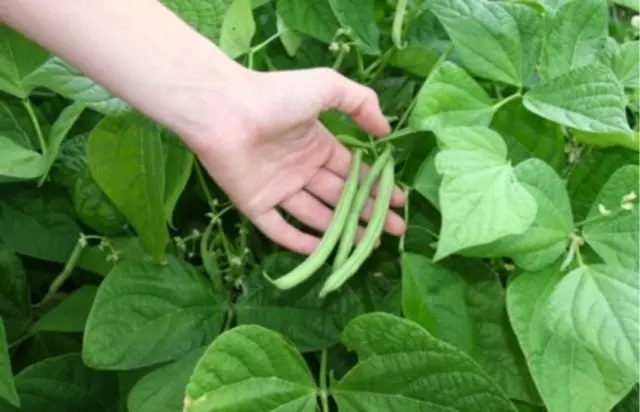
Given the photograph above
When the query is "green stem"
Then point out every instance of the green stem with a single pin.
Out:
(406, 113)
(203, 185)
(507, 99)
(407, 191)
(397, 134)
(66, 271)
(339, 59)
(386, 58)
(598, 218)
(324, 392)
(265, 43)
(36, 125)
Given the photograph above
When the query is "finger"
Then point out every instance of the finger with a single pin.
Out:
(273, 225)
(308, 210)
(340, 93)
(340, 163)
(327, 187)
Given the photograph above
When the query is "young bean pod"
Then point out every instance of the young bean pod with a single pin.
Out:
(331, 236)
(372, 233)
(351, 227)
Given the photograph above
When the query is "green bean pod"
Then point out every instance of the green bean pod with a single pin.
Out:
(372, 233)
(331, 236)
(351, 227)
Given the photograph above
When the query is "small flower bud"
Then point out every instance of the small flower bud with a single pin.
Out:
(334, 47)
(627, 206)
(603, 210)
(629, 197)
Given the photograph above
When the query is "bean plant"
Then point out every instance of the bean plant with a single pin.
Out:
(130, 282)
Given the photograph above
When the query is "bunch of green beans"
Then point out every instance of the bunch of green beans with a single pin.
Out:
(344, 225)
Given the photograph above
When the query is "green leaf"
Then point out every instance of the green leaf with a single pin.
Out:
(162, 390)
(480, 197)
(59, 131)
(615, 237)
(427, 181)
(547, 238)
(414, 59)
(238, 28)
(291, 40)
(495, 40)
(64, 384)
(311, 324)
(625, 64)
(631, 4)
(462, 302)
(528, 135)
(589, 98)
(38, 223)
(19, 163)
(19, 56)
(250, 368)
(450, 97)
(576, 35)
(69, 82)
(145, 313)
(15, 299)
(91, 204)
(205, 16)
(16, 124)
(311, 17)
(7, 386)
(597, 306)
(393, 351)
(71, 314)
(126, 159)
(358, 16)
(631, 403)
(592, 172)
(569, 377)
(179, 161)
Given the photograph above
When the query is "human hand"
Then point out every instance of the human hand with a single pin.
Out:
(266, 148)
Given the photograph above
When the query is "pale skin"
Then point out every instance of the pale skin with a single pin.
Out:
(257, 134)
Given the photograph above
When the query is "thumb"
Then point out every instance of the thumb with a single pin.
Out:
(337, 92)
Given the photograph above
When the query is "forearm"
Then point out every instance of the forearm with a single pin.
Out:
(138, 49)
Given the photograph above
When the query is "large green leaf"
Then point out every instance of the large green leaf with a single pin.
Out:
(15, 299)
(163, 389)
(427, 180)
(528, 135)
(598, 307)
(625, 64)
(569, 377)
(480, 197)
(16, 124)
(64, 384)
(71, 314)
(19, 56)
(7, 386)
(495, 40)
(69, 82)
(59, 130)
(575, 36)
(205, 16)
(462, 302)
(126, 159)
(589, 98)
(311, 17)
(250, 368)
(547, 238)
(178, 161)
(393, 352)
(450, 97)
(145, 313)
(615, 237)
(19, 163)
(592, 172)
(238, 29)
(358, 16)
(311, 324)
(92, 206)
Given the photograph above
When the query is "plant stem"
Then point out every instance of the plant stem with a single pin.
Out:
(407, 191)
(507, 99)
(339, 59)
(66, 271)
(265, 43)
(397, 134)
(203, 186)
(386, 58)
(324, 393)
(36, 125)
